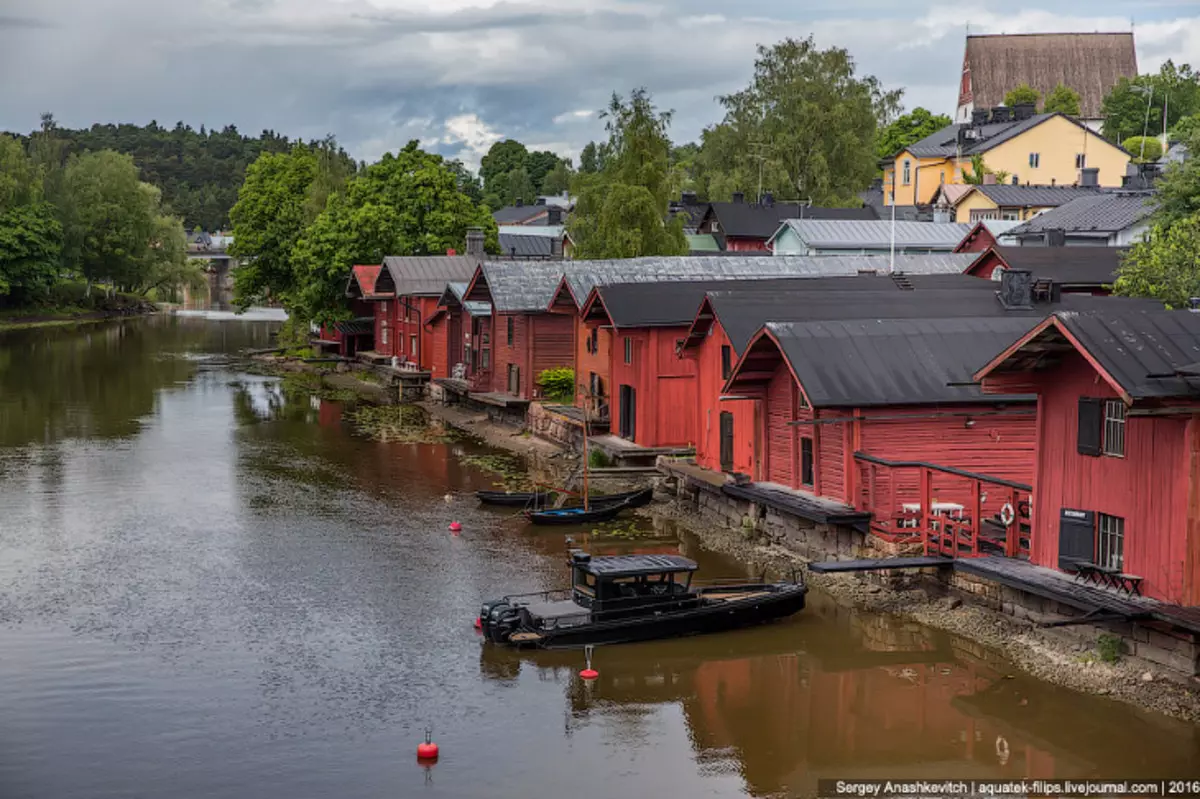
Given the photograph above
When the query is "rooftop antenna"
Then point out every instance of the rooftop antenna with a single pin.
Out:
(892, 249)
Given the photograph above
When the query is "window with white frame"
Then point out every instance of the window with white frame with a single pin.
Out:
(1114, 428)
(1111, 547)
(1034, 160)
(907, 171)
(1081, 160)
(412, 346)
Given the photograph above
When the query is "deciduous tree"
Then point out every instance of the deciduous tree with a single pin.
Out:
(1144, 149)
(908, 129)
(805, 127)
(1063, 100)
(1022, 94)
(1136, 106)
(30, 252)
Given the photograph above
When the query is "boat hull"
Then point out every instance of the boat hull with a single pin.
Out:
(783, 600)
(521, 499)
(564, 516)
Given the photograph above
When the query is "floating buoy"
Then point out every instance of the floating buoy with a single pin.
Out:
(455, 527)
(428, 750)
(588, 673)
(478, 623)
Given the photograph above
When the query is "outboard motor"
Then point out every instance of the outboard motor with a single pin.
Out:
(499, 620)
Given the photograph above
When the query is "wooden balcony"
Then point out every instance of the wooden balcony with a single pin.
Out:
(947, 511)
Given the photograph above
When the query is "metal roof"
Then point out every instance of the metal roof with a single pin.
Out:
(523, 246)
(529, 286)
(944, 143)
(1134, 346)
(621, 565)
(542, 231)
(453, 295)
(516, 214)
(874, 362)
(356, 327)
(849, 234)
(1100, 213)
(760, 221)
(1066, 265)
(1007, 195)
(425, 275)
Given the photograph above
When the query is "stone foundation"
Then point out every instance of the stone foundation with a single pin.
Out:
(555, 427)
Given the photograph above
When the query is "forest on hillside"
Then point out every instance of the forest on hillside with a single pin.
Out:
(198, 171)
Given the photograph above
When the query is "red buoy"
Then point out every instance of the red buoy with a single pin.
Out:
(478, 623)
(589, 674)
(455, 527)
(428, 750)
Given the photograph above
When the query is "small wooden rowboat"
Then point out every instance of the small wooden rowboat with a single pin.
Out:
(525, 499)
(623, 598)
(596, 513)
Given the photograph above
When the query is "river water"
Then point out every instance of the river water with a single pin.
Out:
(210, 588)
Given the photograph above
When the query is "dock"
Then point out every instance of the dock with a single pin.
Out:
(880, 564)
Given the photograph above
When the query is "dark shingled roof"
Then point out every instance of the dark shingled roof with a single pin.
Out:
(526, 246)
(1141, 350)
(1099, 213)
(873, 362)
(754, 220)
(423, 275)
(516, 214)
(944, 143)
(1034, 196)
(1095, 266)
(1089, 63)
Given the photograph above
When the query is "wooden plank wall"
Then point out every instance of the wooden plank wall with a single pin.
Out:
(552, 343)
(670, 387)
(780, 438)
(504, 353)
(709, 407)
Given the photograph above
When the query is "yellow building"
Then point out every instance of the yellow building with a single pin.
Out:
(1004, 201)
(1017, 145)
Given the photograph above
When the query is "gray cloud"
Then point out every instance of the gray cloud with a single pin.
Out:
(458, 74)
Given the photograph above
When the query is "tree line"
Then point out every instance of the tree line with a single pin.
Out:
(68, 217)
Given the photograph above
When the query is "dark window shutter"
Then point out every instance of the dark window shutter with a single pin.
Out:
(726, 362)
(1091, 426)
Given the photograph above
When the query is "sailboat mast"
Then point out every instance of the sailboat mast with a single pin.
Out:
(587, 398)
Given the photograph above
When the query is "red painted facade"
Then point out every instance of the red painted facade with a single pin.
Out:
(663, 386)
(526, 344)
(745, 244)
(742, 414)
(978, 240)
(1154, 487)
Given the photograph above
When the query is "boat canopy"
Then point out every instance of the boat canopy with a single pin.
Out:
(610, 567)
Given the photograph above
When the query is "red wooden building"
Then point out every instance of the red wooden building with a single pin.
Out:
(978, 239)
(1078, 270)
(459, 336)
(412, 286)
(349, 337)
(1117, 483)
(744, 227)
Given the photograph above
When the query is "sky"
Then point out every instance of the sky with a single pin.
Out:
(459, 75)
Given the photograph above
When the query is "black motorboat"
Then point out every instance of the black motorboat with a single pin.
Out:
(623, 598)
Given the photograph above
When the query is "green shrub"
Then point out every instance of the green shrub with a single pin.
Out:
(1110, 647)
(598, 459)
(1153, 150)
(558, 385)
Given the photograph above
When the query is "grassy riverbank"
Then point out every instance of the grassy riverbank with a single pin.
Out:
(70, 304)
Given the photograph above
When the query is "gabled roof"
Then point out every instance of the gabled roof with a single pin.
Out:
(743, 310)
(759, 221)
(1010, 196)
(1104, 213)
(877, 362)
(362, 281)
(674, 303)
(452, 297)
(423, 275)
(532, 286)
(1088, 266)
(518, 214)
(1089, 63)
(522, 246)
(853, 235)
(944, 143)
(1141, 354)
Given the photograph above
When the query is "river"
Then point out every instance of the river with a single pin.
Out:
(210, 588)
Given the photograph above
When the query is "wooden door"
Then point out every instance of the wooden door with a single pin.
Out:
(726, 441)
(628, 408)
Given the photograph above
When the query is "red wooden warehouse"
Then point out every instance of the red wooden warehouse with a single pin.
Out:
(459, 335)
(1117, 483)
(349, 337)
(413, 285)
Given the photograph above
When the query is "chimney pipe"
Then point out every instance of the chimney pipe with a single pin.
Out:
(475, 242)
(1089, 176)
(1056, 237)
(739, 197)
(768, 199)
(554, 215)
(1016, 289)
(556, 248)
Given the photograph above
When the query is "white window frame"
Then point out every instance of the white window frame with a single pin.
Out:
(907, 175)
(1114, 428)
(1110, 542)
(1081, 160)
(412, 344)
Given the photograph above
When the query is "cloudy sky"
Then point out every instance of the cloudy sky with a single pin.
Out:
(461, 74)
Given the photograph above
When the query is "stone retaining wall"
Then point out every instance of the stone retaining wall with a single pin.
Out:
(554, 427)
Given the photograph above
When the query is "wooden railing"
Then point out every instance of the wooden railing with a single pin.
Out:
(949, 511)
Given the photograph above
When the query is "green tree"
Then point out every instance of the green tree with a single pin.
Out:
(1063, 100)
(908, 129)
(1166, 263)
(538, 164)
(20, 178)
(591, 158)
(1137, 105)
(1144, 149)
(519, 186)
(269, 217)
(111, 218)
(166, 266)
(468, 183)
(978, 169)
(502, 158)
(558, 179)
(406, 204)
(685, 172)
(30, 252)
(1185, 128)
(1021, 94)
(620, 211)
(805, 127)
